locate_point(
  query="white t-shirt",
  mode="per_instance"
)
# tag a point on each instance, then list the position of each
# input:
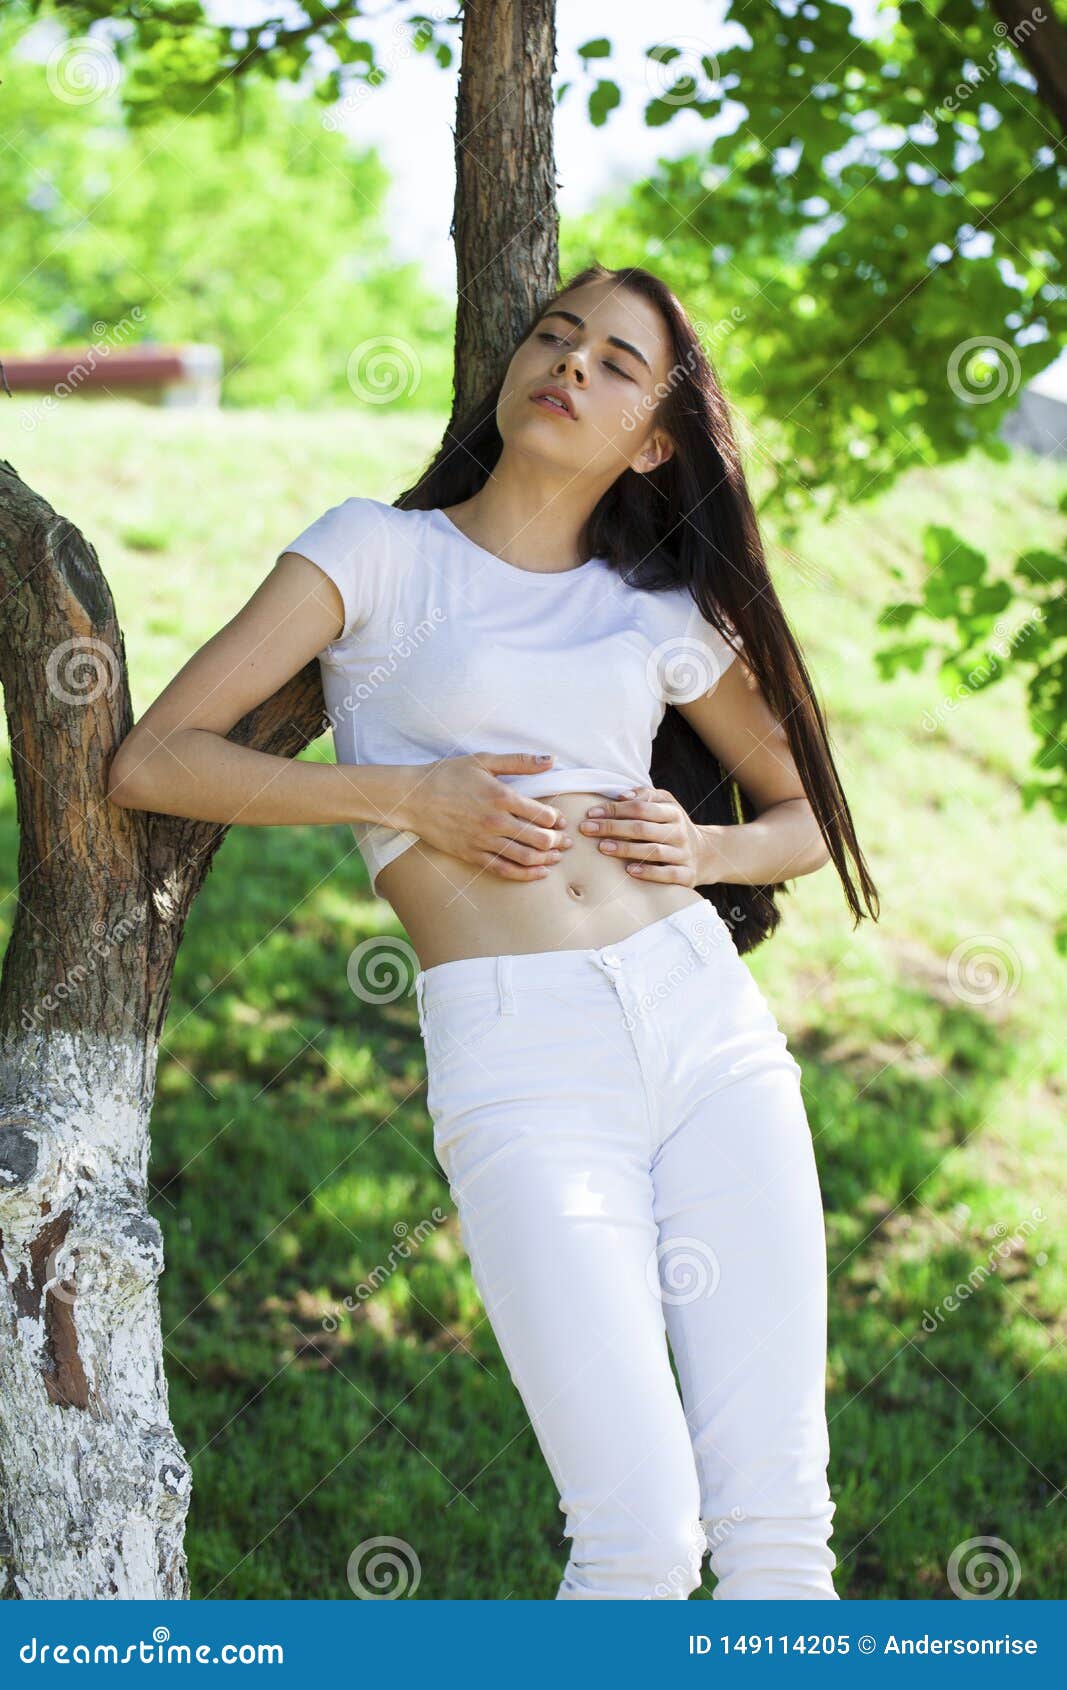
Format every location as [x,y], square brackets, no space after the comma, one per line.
[447,649]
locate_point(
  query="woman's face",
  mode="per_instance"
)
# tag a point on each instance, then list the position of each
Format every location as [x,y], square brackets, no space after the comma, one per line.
[606,347]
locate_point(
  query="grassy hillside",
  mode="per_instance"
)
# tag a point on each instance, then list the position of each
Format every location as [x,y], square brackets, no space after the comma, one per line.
[291,1147]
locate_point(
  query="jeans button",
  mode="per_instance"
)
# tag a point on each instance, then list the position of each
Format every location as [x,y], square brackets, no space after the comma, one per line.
[611,959]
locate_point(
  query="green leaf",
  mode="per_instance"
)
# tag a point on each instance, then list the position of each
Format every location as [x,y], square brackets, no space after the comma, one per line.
[897,615]
[604,98]
[1041,566]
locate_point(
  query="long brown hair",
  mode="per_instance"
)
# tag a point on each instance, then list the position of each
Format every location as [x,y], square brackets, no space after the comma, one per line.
[689,521]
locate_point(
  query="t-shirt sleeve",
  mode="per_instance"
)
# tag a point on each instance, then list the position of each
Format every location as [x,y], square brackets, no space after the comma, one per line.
[349,542]
[692,662]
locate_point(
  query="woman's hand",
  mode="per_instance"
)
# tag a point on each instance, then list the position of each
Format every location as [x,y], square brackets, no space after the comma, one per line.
[459,806]
[656,836]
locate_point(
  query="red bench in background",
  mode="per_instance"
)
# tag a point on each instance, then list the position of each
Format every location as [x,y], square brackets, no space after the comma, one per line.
[190,374]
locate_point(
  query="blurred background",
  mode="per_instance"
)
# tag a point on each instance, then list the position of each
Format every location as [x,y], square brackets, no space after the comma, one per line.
[227,303]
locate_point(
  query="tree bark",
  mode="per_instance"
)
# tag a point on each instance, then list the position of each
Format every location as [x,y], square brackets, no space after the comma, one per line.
[94,1485]
[505,222]
[1041,43]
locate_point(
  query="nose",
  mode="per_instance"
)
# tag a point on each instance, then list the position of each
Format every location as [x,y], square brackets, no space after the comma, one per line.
[576,369]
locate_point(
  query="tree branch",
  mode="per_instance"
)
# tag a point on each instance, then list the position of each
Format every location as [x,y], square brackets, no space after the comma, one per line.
[1041,43]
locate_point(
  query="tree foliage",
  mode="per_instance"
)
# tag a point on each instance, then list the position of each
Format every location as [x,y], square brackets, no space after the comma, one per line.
[873,235]
[268,241]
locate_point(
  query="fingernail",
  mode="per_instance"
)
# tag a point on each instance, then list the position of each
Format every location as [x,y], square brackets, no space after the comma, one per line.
[597,810]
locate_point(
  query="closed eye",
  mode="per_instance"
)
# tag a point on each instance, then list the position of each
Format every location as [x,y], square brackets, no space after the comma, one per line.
[543,334]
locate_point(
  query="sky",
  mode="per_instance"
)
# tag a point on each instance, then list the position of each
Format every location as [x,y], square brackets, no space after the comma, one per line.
[410,119]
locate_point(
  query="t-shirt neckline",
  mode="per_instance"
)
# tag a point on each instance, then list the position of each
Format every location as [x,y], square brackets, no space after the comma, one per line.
[501,563]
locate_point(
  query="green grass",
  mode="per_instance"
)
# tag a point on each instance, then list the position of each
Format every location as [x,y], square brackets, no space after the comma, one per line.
[292,1151]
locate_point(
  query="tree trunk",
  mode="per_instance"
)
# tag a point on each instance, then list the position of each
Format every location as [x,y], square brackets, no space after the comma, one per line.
[1041,43]
[94,1485]
[505,222]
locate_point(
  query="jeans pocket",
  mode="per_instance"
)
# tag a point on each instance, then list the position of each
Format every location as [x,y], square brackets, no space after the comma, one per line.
[455,1027]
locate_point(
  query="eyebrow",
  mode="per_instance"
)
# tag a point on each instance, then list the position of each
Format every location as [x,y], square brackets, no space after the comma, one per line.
[612,339]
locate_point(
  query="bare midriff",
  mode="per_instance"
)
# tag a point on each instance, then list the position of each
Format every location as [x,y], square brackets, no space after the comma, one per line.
[452,909]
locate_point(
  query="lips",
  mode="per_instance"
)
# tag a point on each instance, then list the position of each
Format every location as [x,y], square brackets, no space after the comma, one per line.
[555,398]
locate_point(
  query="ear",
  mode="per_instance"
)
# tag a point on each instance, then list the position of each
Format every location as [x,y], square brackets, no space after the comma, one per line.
[657,449]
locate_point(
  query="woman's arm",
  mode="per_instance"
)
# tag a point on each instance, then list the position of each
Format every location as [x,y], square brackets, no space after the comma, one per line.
[783,842]
[736,724]
[657,840]
[178,761]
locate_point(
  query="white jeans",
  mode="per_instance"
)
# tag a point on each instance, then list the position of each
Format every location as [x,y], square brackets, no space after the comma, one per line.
[625,1140]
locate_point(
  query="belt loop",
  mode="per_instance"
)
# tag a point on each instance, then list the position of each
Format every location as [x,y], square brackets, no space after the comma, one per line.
[698,927]
[504,985]
[420,1000]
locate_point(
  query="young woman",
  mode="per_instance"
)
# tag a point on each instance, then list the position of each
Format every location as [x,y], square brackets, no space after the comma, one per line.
[621,1123]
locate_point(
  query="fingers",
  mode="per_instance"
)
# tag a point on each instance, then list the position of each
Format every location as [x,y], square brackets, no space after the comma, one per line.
[673,874]
[502,866]
[531,811]
[631,818]
[539,825]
